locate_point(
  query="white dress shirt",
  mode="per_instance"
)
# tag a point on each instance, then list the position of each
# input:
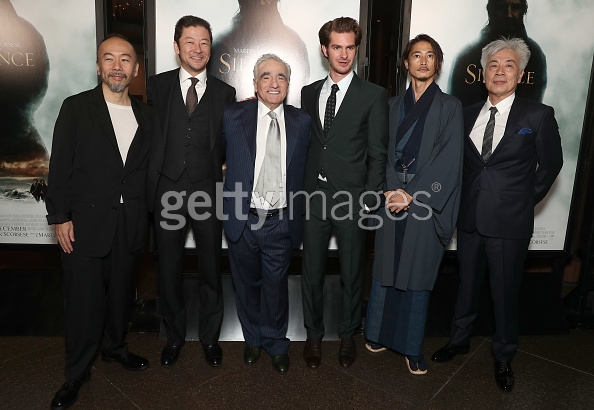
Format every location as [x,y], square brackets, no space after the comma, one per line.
[185,83]
[478,131]
[264,119]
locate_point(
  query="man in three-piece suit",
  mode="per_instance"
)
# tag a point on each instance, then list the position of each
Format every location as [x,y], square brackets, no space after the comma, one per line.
[347,157]
[512,156]
[266,144]
[96,202]
[186,160]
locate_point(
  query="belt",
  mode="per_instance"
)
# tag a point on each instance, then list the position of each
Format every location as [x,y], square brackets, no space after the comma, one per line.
[266,213]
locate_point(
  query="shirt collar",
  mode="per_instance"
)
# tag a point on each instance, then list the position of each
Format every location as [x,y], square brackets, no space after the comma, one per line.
[502,106]
[263,110]
[184,75]
[343,84]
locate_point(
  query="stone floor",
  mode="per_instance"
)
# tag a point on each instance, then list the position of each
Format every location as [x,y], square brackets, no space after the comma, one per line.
[552,372]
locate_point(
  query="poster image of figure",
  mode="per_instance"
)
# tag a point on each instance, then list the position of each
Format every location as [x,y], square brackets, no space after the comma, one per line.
[24,72]
[42,61]
[258,28]
[506,19]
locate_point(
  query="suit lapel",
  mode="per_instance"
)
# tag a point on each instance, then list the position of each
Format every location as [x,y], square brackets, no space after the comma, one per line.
[249,126]
[137,142]
[171,89]
[470,115]
[316,123]
[105,121]
[512,120]
[394,120]
[290,131]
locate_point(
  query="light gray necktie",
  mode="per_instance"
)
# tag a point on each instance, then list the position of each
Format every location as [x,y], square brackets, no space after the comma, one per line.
[270,178]
[487,148]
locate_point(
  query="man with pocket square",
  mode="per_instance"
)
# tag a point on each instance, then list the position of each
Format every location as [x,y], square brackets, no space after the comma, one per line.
[512,155]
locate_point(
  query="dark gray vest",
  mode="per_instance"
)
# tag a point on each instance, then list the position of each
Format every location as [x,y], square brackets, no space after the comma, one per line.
[188,140]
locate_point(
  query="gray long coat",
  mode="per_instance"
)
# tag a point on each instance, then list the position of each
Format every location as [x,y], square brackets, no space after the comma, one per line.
[432,217]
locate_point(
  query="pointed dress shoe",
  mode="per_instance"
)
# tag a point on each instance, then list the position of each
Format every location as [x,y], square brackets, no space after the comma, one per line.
[504,375]
[68,393]
[347,352]
[312,352]
[281,363]
[129,361]
[251,354]
[169,355]
[213,354]
[447,353]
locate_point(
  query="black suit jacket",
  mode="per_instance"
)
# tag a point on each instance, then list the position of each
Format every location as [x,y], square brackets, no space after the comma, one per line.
[87,175]
[160,92]
[498,197]
[355,151]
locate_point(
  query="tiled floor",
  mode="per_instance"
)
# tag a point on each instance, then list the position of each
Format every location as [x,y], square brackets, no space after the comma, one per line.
[552,372]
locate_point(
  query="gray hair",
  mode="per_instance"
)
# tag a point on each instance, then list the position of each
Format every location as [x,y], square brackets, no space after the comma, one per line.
[515,44]
[267,57]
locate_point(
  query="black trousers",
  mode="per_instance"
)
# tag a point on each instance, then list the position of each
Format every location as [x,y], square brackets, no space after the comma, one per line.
[505,260]
[171,249]
[97,302]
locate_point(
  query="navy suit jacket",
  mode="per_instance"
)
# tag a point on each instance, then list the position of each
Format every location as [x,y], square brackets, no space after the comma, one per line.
[239,134]
[498,197]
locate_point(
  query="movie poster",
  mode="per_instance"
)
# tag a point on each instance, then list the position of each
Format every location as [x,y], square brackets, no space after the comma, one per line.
[560,36]
[45,56]
[243,30]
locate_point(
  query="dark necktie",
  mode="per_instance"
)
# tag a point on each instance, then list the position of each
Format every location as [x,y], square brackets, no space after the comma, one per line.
[330,108]
[270,178]
[191,96]
[488,137]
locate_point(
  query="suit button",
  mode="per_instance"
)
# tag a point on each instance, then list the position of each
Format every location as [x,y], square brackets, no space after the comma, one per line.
[114,208]
[484,168]
[187,136]
[324,147]
[123,181]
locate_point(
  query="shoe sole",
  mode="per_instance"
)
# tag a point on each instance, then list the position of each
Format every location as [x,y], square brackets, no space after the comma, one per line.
[372,350]
[415,372]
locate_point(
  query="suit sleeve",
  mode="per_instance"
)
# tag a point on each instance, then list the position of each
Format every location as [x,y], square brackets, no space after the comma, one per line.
[377,143]
[549,154]
[61,163]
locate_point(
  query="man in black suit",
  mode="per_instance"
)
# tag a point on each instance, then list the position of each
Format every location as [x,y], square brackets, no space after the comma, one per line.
[186,163]
[512,156]
[346,158]
[96,202]
[266,148]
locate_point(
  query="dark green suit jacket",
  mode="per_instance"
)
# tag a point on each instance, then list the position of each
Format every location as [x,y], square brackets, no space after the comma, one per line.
[354,152]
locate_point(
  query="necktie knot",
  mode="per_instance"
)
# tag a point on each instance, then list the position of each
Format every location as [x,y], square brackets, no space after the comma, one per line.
[493,110]
[194,80]
[272,115]
[335,88]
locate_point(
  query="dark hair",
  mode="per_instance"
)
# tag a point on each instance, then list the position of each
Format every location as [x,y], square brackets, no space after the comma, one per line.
[434,45]
[117,35]
[190,21]
[493,4]
[340,25]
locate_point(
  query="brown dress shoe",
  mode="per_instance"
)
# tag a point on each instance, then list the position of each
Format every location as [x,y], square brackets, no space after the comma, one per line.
[312,353]
[347,352]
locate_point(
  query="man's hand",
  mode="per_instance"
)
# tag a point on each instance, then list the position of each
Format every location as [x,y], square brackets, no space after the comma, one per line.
[398,200]
[65,235]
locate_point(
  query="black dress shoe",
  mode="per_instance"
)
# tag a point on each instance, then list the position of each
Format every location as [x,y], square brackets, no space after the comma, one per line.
[68,393]
[312,352]
[251,354]
[169,355]
[128,360]
[504,376]
[447,353]
[281,363]
[347,352]
[213,354]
